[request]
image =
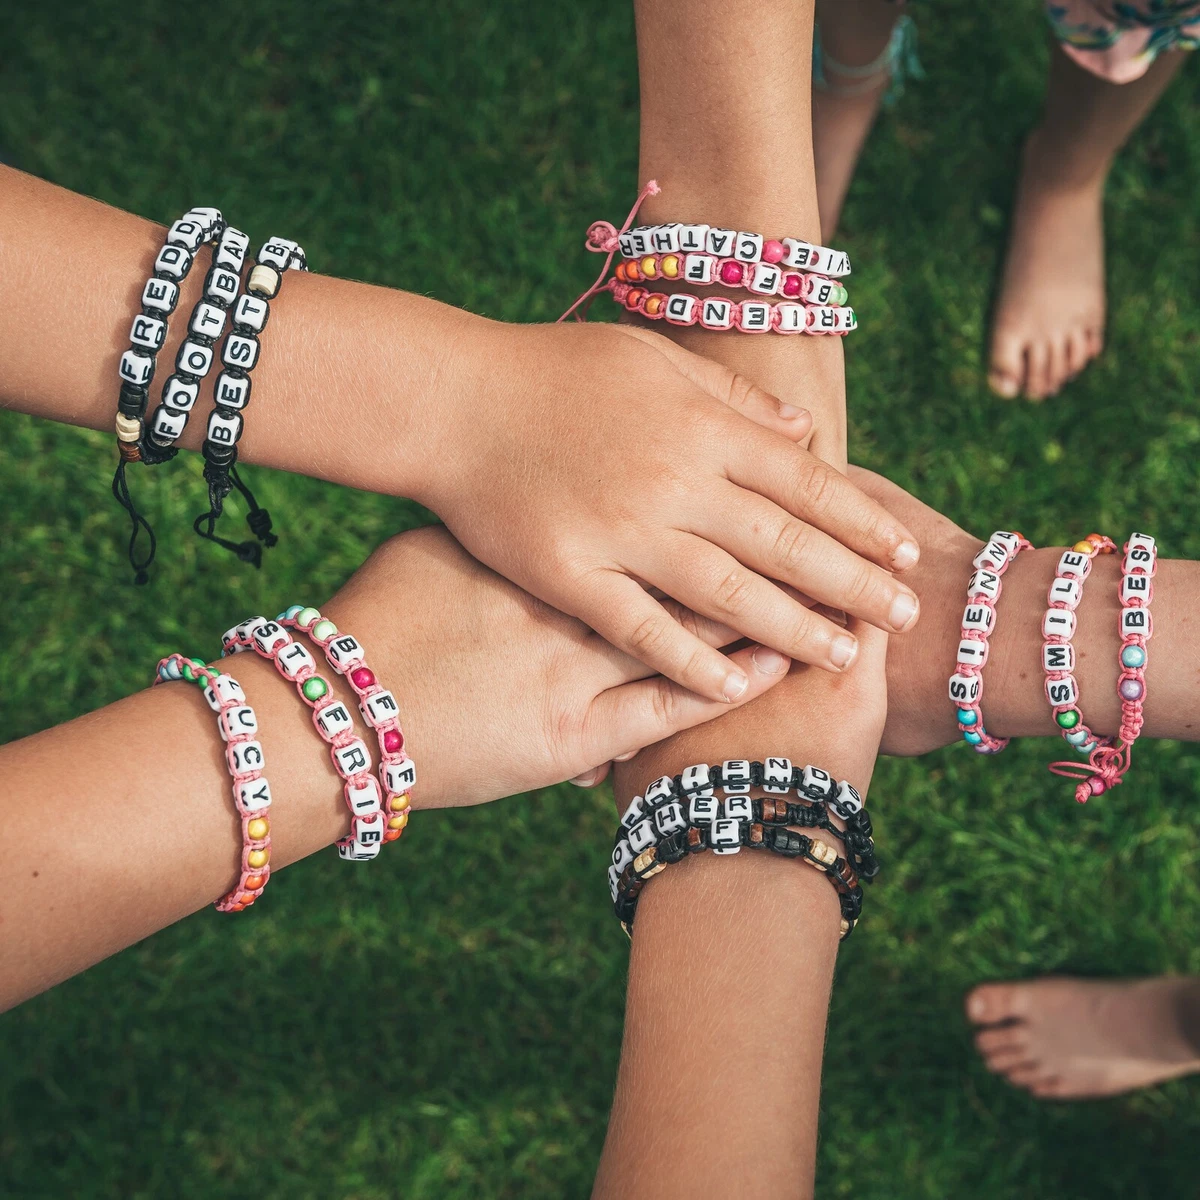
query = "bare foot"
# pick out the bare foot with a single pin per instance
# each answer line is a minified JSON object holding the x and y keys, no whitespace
{"x":1049,"y":321}
{"x":1072,"y":1039}
{"x":840,"y":127}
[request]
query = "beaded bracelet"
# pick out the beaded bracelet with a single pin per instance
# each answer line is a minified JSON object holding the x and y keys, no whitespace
{"x":729,"y":243}
{"x":195,"y":356}
{"x":238,"y":727}
{"x":333,"y":722}
{"x":979,"y":617}
{"x":148,"y":333}
{"x":239,"y":356}
{"x":764,"y":279}
{"x":1058,"y":628}
{"x":378,"y":706}
{"x":656,"y":831}
{"x":719,"y":313}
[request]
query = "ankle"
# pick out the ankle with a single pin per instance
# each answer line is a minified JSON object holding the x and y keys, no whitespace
{"x":1046,"y":158}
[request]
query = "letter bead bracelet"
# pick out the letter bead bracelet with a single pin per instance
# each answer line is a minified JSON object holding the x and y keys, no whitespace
{"x":729,"y":243}
{"x":764,"y":279}
{"x":238,"y":727}
{"x":746,"y":316}
{"x":979,"y":619}
{"x":683,"y":815}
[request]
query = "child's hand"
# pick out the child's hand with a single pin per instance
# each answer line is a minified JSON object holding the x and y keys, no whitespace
{"x":609,"y":459}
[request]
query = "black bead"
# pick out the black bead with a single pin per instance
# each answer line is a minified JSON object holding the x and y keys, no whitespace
{"x":132,"y":400}
{"x":673,"y":847}
{"x":219,"y":455}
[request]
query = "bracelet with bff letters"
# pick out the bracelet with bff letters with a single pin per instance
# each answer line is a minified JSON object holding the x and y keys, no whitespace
{"x":764,"y":279}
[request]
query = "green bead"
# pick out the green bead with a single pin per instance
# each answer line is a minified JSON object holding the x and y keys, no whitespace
{"x":1068,"y":720}
{"x":323,"y":629}
{"x":186,"y":670}
{"x":314,"y":688}
{"x":306,"y":616}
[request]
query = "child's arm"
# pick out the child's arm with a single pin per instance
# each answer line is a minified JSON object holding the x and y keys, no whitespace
{"x":556,"y":454}
{"x":118,"y":823}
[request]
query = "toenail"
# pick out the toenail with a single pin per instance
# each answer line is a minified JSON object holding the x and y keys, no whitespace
{"x":1007,"y":388}
{"x":977,"y":1008}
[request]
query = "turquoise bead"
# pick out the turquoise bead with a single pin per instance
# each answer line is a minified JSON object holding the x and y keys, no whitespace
{"x":966,"y":717}
{"x":293,"y":610}
{"x":1086,"y":748}
{"x":973,"y":738}
{"x":1077,"y":737}
{"x":1133,"y":656}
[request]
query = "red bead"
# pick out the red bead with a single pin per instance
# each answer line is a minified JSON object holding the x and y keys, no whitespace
{"x":634,"y":297}
{"x":732,"y":273}
{"x":792,"y":285}
{"x":362,"y":678}
{"x":393,"y":743}
{"x":772,"y":252}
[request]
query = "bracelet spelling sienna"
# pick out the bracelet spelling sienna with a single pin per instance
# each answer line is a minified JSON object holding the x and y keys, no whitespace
{"x":238,"y":727}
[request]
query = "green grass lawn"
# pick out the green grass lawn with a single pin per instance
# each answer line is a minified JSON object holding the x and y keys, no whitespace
{"x":443,"y":1025}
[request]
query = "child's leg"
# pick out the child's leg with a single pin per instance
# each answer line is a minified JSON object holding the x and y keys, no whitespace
{"x":854,"y":33}
{"x":1049,"y":320}
{"x":1071,"y":1039}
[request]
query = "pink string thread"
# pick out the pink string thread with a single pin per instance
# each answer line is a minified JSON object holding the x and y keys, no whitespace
{"x":603,"y":238}
{"x":1101,"y":773}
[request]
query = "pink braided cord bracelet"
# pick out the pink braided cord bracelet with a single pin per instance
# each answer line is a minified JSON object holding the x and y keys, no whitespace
{"x":764,"y":279}
{"x":746,"y":316}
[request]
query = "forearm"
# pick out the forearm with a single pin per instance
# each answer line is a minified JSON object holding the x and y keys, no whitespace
{"x":347,"y":372}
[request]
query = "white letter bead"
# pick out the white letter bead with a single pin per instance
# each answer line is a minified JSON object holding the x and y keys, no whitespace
{"x":194,"y":358}
{"x":244,"y":757}
{"x":293,"y":659}
{"x":1074,"y":563}
{"x":639,"y":240}
{"x":614,"y":877}
{"x":181,"y":394}
{"x":777,"y":775}
{"x":641,"y":836}
{"x":735,"y":776}
{"x":972,"y":652}
{"x":978,"y":616}
{"x":725,"y":837}
{"x":1136,"y":620}
{"x":1062,"y":693}
{"x":693,"y":239}
{"x":246,"y":629}
{"x":738,"y":808}
{"x":755,"y":316}
{"x":669,"y":819}
{"x":965,"y":689}
{"x":222,"y":690}
{"x":1067,"y":591}
{"x":817,"y":784}
{"x":368,"y":834}
{"x":231,"y":250}
{"x":254,"y":795}
{"x":207,"y":320}
{"x":270,"y":635}
{"x":224,"y":428}
{"x":136,"y":367}
{"x":252,"y":312}
{"x":625,"y":242}
{"x":984,"y":583}
{"x":399,"y":777}
{"x":351,"y":758}
{"x":1058,"y":622}
{"x":277,"y":253}
{"x":363,"y":796}
{"x":186,"y":233}
{"x":236,"y":722}
{"x":819,"y":290}
{"x":378,"y":710}
{"x":353,"y":852}
{"x":681,"y":309}
{"x":764,"y":279}
{"x":702,"y":809}
{"x":661,"y":789}
{"x":665,"y":239}
{"x":696,"y":781}
{"x":221,"y":286}
{"x":168,"y":426}
{"x":698,"y":268}
{"x":748,"y":247}
{"x":333,"y":719}
{"x":173,"y":261}
{"x":1141,"y":541}
{"x":1058,"y":656}
{"x":1134,"y":587}
{"x":229,"y":640}
{"x":232,"y":391}
{"x":240,"y":351}
{"x":161,"y":295}
{"x":847,"y":802}
{"x":1009,"y":540}
{"x":716,"y":314}
{"x":792,"y":317}
{"x":344,"y":652}
{"x":622,"y":855}
{"x":634,"y":813}
{"x":797,"y":253}
{"x":720,"y":242}
{"x":992,"y":557}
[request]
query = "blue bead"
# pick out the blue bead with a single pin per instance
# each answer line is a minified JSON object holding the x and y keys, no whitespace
{"x":966,"y":717}
{"x":1133,"y":656}
{"x":1077,"y":736}
{"x":972,"y":738}
{"x":1086,"y":748}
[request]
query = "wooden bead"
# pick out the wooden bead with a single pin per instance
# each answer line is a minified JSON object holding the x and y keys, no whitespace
{"x":128,"y":430}
{"x":264,"y":282}
{"x":823,"y":852}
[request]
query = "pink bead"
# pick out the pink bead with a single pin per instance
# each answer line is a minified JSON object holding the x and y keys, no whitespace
{"x":772,"y":252}
{"x":792,"y":285}
{"x":1131,"y":689}
{"x":393,"y":743}
{"x":732,"y":273}
{"x":362,"y":678}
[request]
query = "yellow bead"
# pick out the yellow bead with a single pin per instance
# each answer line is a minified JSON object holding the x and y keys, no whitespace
{"x":258,"y":858}
{"x":399,"y":821}
{"x":1083,"y":547}
{"x":399,"y":803}
{"x":670,"y":266}
{"x":649,"y":268}
{"x":257,"y":828}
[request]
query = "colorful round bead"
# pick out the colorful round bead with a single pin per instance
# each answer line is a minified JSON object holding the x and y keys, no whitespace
{"x":362,"y":678}
{"x":966,"y":717}
{"x":1133,"y":656}
{"x":972,"y":738}
{"x":772,"y":251}
{"x":732,"y":272}
{"x":323,"y":629}
{"x":1132,"y":689}
{"x":1068,"y":719}
{"x":393,"y":743}
{"x":306,"y":616}
{"x":314,"y":688}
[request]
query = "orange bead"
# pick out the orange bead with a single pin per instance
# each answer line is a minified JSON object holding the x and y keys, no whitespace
{"x":620,"y":272}
{"x":631,"y":272}
{"x":653,"y":304}
{"x":649,"y":268}
{"x":670,"y":266}
{"x":246,"y":898}
{"x":634,"y":298}
{"x":254,"y":882}
{"x":392,"y":834}
{"x":258,"y":828}
{"x":258,"y":858}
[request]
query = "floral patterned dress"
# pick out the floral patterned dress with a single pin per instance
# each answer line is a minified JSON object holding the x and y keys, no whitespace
{"x":1119,"y":39}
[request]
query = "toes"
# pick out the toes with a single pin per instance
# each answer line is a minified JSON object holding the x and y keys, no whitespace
{"x":1002,"y":1039}
{"x":1037,"y":362}
{"x":1029,"y":1075}
{"x":1078,"y":352}
{"x":1051,"y":1088}
{"x":1056,"y":367}
{"x":991,"y":1003}
{"x":1007,"y":373}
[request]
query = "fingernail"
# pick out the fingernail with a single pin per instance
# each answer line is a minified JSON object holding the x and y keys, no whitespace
{"x":842,"y":652}
{"x":769,"y":662}
{"x":735,"y":686}
{"x":1003,"y":386}
{"x":625,"y":757}
{"x":906,"y":556}
{"x":903,"y":611}
{"x":789,"y":412}
{"x":586,"y":779}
